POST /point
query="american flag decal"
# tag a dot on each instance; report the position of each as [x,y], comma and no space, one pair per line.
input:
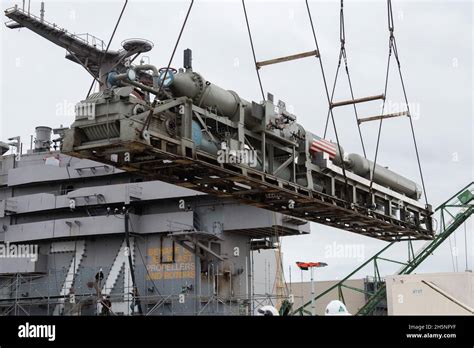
[322,145]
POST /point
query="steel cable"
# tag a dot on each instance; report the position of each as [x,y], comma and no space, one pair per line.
[108,45]
[253,50]
[328,97]
[160,88]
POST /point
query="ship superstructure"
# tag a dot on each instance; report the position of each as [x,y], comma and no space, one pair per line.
[191,253]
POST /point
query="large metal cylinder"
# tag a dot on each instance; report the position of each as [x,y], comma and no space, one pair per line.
[43,138]
[363,167]
[208,95]
[202,141]
[382,176]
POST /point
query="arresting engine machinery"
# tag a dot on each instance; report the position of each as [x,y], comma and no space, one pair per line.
[175,126]
[207,138]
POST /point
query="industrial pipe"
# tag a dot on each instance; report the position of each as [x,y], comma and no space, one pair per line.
[155,75]
[382,176]
[192,85]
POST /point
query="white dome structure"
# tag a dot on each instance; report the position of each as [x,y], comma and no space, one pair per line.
[336,307]
[267,311]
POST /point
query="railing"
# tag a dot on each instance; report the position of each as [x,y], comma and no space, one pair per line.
[86,38]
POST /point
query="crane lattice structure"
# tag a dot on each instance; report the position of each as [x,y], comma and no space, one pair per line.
[452,214]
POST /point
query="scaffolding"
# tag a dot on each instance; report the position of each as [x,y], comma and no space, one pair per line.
[41,294]
[26,295]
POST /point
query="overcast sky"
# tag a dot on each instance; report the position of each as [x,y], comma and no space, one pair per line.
[435,43]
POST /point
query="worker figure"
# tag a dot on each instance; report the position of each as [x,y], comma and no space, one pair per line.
[134,300]
[106,306]
[98,282]
[99,276]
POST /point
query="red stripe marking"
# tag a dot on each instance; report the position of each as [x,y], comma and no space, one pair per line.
[325,143]
[323,148]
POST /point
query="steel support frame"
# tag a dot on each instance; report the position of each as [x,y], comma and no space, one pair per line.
[189,167]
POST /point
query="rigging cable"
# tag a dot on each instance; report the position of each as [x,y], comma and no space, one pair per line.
[148,119]
[328,98]
[343,54]
[393,47]
[381,120]
[253,51]
[324,79]
[108,45]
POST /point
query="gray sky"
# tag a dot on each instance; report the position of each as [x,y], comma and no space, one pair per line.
[435,43]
